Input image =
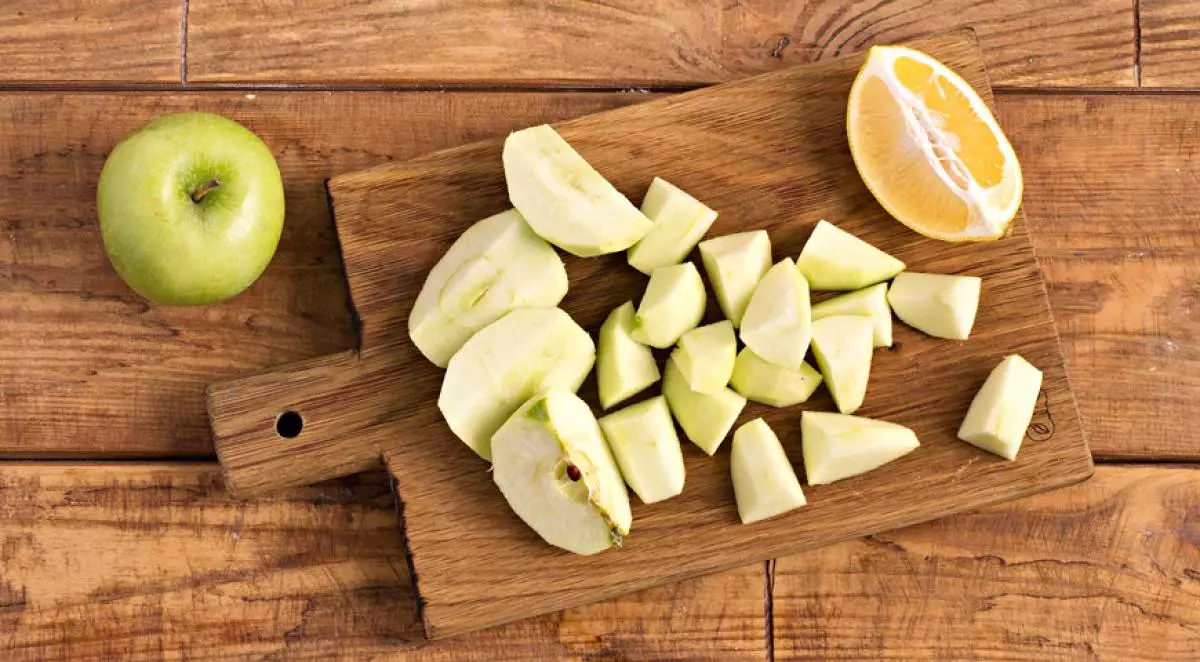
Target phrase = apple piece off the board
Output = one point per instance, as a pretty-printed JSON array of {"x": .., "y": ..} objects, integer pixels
[
  {"x": 672, "y": 305},
  {"x": 706, "y": 355},
  {"x": 777, "y": 323},
  {"x": 1002, "y": 409},
  {"x": 842, "y": 345},
  {"x": 838, "y": 446},
  {"x": 705, "y": 419},
  {"x": 680, "y": 221},
  {"x": 624, "y": 367},
  {"x": 833, "y": 259},
  {"x": 871, "y": 301},
  {"x": 735, "y": 263},
  {"x": 642, "y": 438},
  {"x": 936, "y": 304},
  {"x": 764, "y": 483},
  {"x": 766, "y": 383}
]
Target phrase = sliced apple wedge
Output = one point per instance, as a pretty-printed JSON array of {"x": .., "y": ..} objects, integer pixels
[
  {"x": 705, "y": 355},
  {"x": 504, "y": 364},
  {"x": 554, "y": 468},
  {"x": 705, "y": 419},
  {"x": 838, "y": 446},
  {"x": 624, "y": 367},
  {"x": 936, "y": 304},
  {"x": 642, "y": 438},
  {"x": 680, "y": 221},
  {"x": 1002, "y": 409},
  {"x": 672, "y": 305},
  {"x": 834, "y": 259},
  {"x": 871, "y": 301},
  {"x": 494, "y": 267},
  {"x": 842, "y": 345},
  {"x": 735, "y": 263},
  {"x": 564, "y": 199},
  {"x": 764, "y": 483},
  {"x": 769, "y": 384},
  {"x": 777, "y": 324}
]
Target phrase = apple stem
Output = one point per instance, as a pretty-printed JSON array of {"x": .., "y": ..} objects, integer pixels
[{"x": 205, "y": 189}]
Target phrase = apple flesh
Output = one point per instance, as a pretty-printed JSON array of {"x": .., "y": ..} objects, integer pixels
[
  {"x": 706, "y": 419},
  {"x": 705, "y": 355},
  {"x": 777, "y": 324},
  {"x": 672, "y": 305},
  {"x": 936, "y": 304},
  {"x": 834, "y": 259},
  {"x": 769, "y": 384},
  {"x": 554, "y": 468},
  {"x": 643, "y": 440},
  {"x": 564, "y": 199},
  {"x": 191, "y": 208},
  {"x": 680, "y": 221},
  {"x": 764, "y": 483},
  {"x": 507, "y": 362},
  {"x": 837, "y": 446},
  {"x": 871, "y": 302},
  {"x": 494, "y": 267},
  {"x": 1002, "y": 409},
  {"x": 735, "y": 263},
  {"x": 624, "y": 367},
  {"x": 842, "y": 345}
]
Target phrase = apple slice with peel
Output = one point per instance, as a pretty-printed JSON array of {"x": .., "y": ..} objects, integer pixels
[
  {"x": 624, "y": 367},
  {"x": 838, "y": 446},
  {"x": 834, "y": 259},
  {"x": 705, "y": 355},
  {"x": 494, "y": 267},
  {"x": 936, "y": 304},
  {"x": 554, "y": 468},
  {"x": 679, "y": 222},
  {"x": 871, "y": 301},
  {"x": 777, "y": 324},
  {"x": 564, "y": 199},
  {"x": 1002, "y": 409},
  {"x": 735, "y": 263},
  {"x": 705, "y": 419},
  {"x": 842, "y": 345},
  {"x": 769, "y": 384},
  {"x": 642, "y": 438},
  {"x": 672, "y": 305},
  {"x": 504, "y": 364},
  {"x": 764, "y": 483}
]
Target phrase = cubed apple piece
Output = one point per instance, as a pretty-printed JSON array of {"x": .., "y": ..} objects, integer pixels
[
  {"x": 838, "y": 446},
  {"x": 842, "y": 345},
  {"x": 769, "y": 384},
  {"x": 735, "y": 263},
  {"x": 506, "y": 363},
  {"x": 936, "y": 304},
  {"x": 834, "y": 259},
  {"x": 705, "y": 419},
  {"x": 624, "y": 367},
  {"x": 777, "y": 323},
  {"x": 642, "y": 438},
  {"x": 705, "y": 355},
  {"x": 1003, "y": 408},
  {"x": 554, "y": 468},
  {"x": 680, "y": 221},
  {"x": 672, "y": 305},
  {"x": 764, "y": 483},
  {"x": 564, "y": 199},
  {"x": 871, "y": 301}
]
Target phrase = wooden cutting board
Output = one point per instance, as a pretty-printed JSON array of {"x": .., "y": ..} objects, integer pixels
[{"x": 766, "y": 152}]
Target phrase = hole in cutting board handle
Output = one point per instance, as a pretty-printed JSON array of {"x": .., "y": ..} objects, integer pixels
[{"x": 289, "y": 424}]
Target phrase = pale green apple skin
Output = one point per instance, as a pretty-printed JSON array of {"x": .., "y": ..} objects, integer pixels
[{"x": 170, "y": 249}]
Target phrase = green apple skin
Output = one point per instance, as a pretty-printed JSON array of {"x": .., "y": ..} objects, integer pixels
[{"x": 164, "y": 244}]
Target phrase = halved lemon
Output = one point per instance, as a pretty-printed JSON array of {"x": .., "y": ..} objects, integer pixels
[{"x": 929, "y": 149}]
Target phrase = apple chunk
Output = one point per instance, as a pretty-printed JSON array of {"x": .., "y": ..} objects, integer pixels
[
  {"x": 504, "y": 364},
  {"x": 777, "y": 324},
  {"x": 766, "y": 383},
  {"x": 494, "y": 267},
  {"x": 834, "y": 259},
  {"x": 1003, "y": 407},
  {"x": 764, "y": 483},
  {"x": 842, "y": 345},
  {"x": 936, "y": 304},
  {"x": 624, "y": 367},
  {"x": 672, "y": 305},
  {"x": 705, "y": 355},
  {"x": 838, "y": 446},
  {"x": 871, "y": 301},
  {"x": 553, "y": 467},
  {"x": 643, "y": 439},
  {"x": 679, "y": 223},
  {"x": 735, "y": 263},
  {"x": 705, "y": 419}
]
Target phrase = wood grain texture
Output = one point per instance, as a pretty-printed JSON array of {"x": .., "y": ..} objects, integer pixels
[
  {"x": 1111, "y": 193},
  {"x": 644, "y": 43},
  {"x": 155, "y": 561},
  {"x": 773, "y": 156},
  {"x": 1109, "y": 569},
  {"x": 1170, "y": 37},
  {"x": 127, "y": 41}
]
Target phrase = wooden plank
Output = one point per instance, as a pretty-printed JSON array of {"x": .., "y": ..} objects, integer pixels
[
  {"x": 1170, "y": 36},
  {"x": 1109, "y": 569},
  {"x": 774, "y": 157},
  {"x": 641, "y": 43},
  {"x": 152, "y": 561},
  {"x": 126, "y": 41},
  {"x": 1111, "y": 193}
]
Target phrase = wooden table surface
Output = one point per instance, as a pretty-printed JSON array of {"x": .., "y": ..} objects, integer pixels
[{"x": 117, "y": 540}]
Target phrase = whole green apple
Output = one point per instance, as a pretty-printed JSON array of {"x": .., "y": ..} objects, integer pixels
[{"x": 191, "y": 208}]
